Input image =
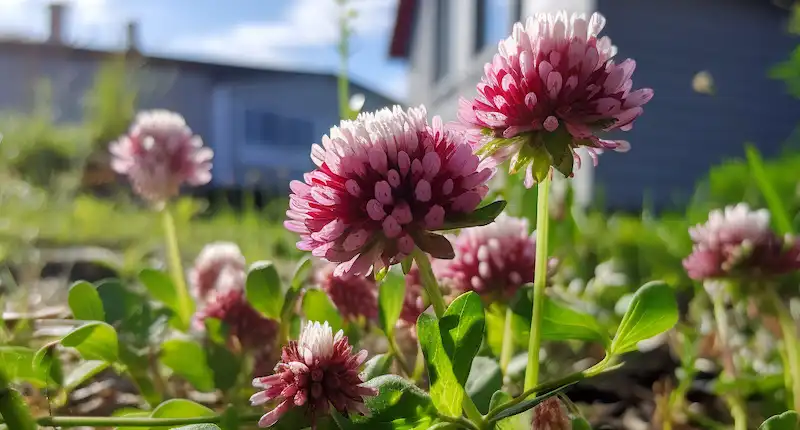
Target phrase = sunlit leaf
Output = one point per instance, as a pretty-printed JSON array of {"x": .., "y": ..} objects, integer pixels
[
  {"x": 162, "y": 288},
  {"x": 94, "y": 341},
  {"x": 83, "y": 372},
  {"x": 481, "y": 216},
  {"x": 445, "y": 389},
  {"x": 789, "y": 420},
  {"x": 559, "y": 322},
  {"x": 264, "y": 290},
  {"x": 301, "y": 273},
  {"x": 188, "y": 359},
  {"x": 462, "y": 327},
  {"x": 85, "y": 303},
  {"x": 377, "y": 366},
  {"x": 652, "y": 311},
  {"x": 318, "y": 307},
  {"x": 391, "y": 293}
]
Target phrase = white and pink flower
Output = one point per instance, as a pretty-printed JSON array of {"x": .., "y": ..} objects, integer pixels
[{"x": 315, "y": 372}]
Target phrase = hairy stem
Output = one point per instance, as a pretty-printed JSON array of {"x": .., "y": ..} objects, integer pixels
[
  {"x": 67, "y": 422},
  {"x": 507, "y": 350},
  {"x": 185, "y": 304},
  {"x": 734, "y": 400},
  {"x": 429, "y": 282},
  {"x": 789, "y": 334},
  {"x": 539, "y": 282}
]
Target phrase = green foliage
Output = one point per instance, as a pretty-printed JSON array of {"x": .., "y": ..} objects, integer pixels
[
  {"x": 461, "y": 329},
  {"x": 391, "y": 293},
  {"x": 515, "y": 422},
  {"x": 94, "y": 341},
  {"x": 318, "y": 307},
  {"x": 652, "y": 311},
  {"x": 789, "y": 420},
  {"x": 110, "y": 104},
  {"x": 377, "y": 366},
  {"x": 445, "y": 389},
  {"x": 188, "y": 359},
  {"x": 481, "y": 216},
  {"x": 83, "y": 372},
  {"x": 85, "y": 302},
  {"x": 525, "y": 405},
  {"x": 484, "y": 380},
  {"x": 561, "y": 322},
  {"x": 13, "y": 408},
  {"x": 774, "y": 202},
  {"x": 398, "y": 402},
  {"x": 19, "y": 366},
  {"x": 264, "y": 290}
]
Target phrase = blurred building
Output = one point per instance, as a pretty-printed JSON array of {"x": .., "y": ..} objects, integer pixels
[
  {"x": 683, "y": 131},
  {"x": 260, "y": 122}
]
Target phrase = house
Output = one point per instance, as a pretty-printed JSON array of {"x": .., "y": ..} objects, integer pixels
[
  {"x": 682, "y": 132},
  {"x": 260, "y": 122}
]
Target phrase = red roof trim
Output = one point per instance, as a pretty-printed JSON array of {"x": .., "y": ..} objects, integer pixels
[{"x": 401, "y": 36}]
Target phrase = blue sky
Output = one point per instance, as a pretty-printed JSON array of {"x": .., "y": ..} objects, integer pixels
[{"x": 281, "y": 33}]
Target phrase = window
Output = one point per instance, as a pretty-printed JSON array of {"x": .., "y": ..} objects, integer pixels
[
  {"x": 492, "y": 22},
  {"x": 266, "y": 128},
  {"x": 441, "y": 51}
]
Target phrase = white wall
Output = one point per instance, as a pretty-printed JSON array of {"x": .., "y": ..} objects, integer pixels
[{"x": 441, "y": 97}]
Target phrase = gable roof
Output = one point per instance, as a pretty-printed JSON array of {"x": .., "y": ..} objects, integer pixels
[{"x": 217, "y": 71}]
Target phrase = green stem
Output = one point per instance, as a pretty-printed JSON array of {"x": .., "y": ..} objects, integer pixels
[
  {"x": 789, "y": 334},
  {"x": 552, "y": 385},
  {"x": 131, "y": 421},
  {"x": 394, "y": 349},
  {"x": 429, "y": 282},
  {"x": 185, "y": 303},
  {"x": 507, "y": 349},
  {"x": 459, "y": 421},
  {"x": 738, "y": 412},
  {"x": 435, "y": 296},
  {"x": 539, "y": 282},
  {"x": 734, "y": 400}
]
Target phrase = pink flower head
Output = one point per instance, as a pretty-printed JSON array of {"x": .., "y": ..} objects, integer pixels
[
  {"x": 739, "y": 242},
  {"x": 493, "y": 260},
  {"x": 551, "y": 415},
  {"x": 551, "y": 88},
  {"x": 315, "y": 372},
  {"x": 219, "y": 267},
  {"x": 354, "y": 296},
  {"x": 383, "y": 182},
  {"x": 253, "y": 330},
  {"x": 160, "y": 154}
]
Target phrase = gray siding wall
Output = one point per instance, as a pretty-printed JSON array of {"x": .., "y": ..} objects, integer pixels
[
  {"x": 682, "y": 133},
  {"x": 70, "y": 79},
  {"x": 213, "y": 102},
  {"x": 307, "y": 96}
]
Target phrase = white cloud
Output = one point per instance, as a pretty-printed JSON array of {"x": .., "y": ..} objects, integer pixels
[{"x": 304, "y": 24}]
